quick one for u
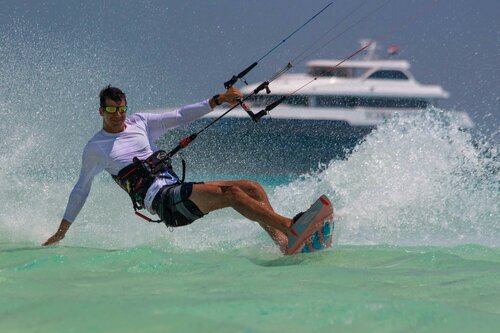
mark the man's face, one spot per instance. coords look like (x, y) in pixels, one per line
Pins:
(113, 122)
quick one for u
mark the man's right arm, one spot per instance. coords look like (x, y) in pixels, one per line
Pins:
(92, 164)
(60, 233)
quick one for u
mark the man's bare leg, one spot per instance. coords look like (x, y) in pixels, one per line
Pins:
(256, 192)
(247, 198)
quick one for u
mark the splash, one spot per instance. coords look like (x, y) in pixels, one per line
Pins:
(416, 180)
(48, 93)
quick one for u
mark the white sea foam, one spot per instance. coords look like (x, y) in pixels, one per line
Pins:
(416, 180)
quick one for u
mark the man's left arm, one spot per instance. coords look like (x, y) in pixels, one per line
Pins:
(158, 124)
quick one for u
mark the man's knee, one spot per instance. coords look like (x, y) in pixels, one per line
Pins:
(251, 187)
(232, 193)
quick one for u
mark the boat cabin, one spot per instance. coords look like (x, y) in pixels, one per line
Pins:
(365, 70)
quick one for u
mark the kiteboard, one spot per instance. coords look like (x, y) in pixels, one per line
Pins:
(313, 231)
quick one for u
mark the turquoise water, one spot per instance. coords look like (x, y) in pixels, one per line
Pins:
(416, 247)
(151, 288)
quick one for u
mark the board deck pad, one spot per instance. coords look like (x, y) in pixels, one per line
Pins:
(313, 231)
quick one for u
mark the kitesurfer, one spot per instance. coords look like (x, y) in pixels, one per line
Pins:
(125, 148)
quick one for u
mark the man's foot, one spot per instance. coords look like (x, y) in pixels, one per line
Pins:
(296, 217)
(320, 240)
(309, 223)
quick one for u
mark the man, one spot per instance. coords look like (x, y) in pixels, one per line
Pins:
(125, 148)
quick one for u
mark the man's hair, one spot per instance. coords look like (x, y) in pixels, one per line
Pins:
(112, 93)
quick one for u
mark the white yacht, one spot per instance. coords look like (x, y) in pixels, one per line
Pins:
(323, 121)
(361, 92)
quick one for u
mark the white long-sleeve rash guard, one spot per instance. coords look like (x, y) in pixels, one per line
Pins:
(114, 151)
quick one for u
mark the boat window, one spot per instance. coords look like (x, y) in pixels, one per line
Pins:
(336, 101)
(402, 103)
(264, 100)
(331, 72)
(375, 102)
(388, 75)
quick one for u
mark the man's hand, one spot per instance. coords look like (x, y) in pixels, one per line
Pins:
(231, 96)
(60, 233)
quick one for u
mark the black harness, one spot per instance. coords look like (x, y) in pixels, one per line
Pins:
(137, 177)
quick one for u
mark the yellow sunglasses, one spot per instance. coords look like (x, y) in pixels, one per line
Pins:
(113, 109)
